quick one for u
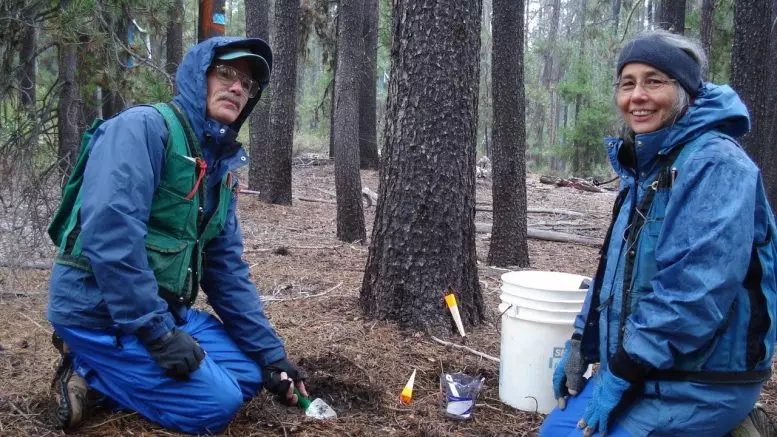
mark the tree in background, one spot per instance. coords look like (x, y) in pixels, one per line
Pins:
(672, 16)
(749, 72)
(706, 26)
(174, 39)
(508, 239)
(282, 104)
(68, 109)
(423, 239)
(258, 26)
(368, 138)
(211, 20)
(345, 132)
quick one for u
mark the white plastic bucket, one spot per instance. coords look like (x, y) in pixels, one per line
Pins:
(538, 312)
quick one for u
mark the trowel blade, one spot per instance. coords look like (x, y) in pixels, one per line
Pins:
(319, 409)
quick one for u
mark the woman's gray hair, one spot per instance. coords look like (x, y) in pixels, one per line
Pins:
(689, 46)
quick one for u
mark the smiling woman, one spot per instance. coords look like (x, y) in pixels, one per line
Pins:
(680, 313)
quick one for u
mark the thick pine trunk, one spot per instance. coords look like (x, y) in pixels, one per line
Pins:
(423, 240)
(258, 26)
(368, 139)
(350, 216)
(508, 239)
(282, 109)
(749, 71)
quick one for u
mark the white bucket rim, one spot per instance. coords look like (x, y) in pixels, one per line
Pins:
(507, 278)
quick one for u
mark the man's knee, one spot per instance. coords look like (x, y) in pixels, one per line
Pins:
(206, 412)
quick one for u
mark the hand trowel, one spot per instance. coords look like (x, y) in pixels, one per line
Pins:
(316, 409)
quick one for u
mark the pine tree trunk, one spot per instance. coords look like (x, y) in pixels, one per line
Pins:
(368, 138)
(508, 239)
(258, 26)
(174, 44)
(749, 71)
(423, 240)
(28, 68)
(770, 171)
(282, 106)
(350, 216)
(616, 14)
(68, 108)
(672, 16)
(706, 26)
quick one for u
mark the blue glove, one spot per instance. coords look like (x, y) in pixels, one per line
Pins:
(617, 389)
(568, 376)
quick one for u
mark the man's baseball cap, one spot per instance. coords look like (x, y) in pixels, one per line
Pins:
(260, 68)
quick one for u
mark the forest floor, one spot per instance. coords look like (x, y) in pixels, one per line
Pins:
(356, 364)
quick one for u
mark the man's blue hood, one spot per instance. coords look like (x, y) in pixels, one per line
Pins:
(716, 107)
(192, 85)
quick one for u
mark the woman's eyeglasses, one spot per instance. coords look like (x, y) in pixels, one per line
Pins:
(228, 75)
(627, 86)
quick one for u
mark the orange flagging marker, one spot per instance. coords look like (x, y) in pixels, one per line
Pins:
(407, 392)
(450, 299)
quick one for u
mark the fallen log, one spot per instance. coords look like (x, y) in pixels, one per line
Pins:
(540, 234)
(578, 183)
(489, 208)
(30, 265)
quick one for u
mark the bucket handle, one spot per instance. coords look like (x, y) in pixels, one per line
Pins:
(503, 308)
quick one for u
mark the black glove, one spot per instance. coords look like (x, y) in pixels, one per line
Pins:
(271, 378)
(178, 353)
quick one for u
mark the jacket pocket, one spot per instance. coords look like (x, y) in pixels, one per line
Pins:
(170, 260)
(171, 212)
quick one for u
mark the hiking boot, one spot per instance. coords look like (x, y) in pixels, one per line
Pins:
(70, 393)
(756, 424)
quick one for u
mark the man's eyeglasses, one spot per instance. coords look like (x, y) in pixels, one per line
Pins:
(627, 86)
(228, 75)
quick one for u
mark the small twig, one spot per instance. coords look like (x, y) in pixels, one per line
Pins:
(35, 323)
(282, 299)
(124, 416)
(468, 349)
(311, 199)
(328, 193)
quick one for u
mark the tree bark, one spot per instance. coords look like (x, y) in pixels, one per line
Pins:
(508, 240)
(423, 240)
(749, 71)
(350, 216)
(68, 108)
(282, 106)
(770, 155)
(706, 26)
(174, 46)
(28, 65)
(368, 138)
(258, 26)
(672, 16)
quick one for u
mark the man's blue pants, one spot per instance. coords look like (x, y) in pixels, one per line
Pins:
(121, 368)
